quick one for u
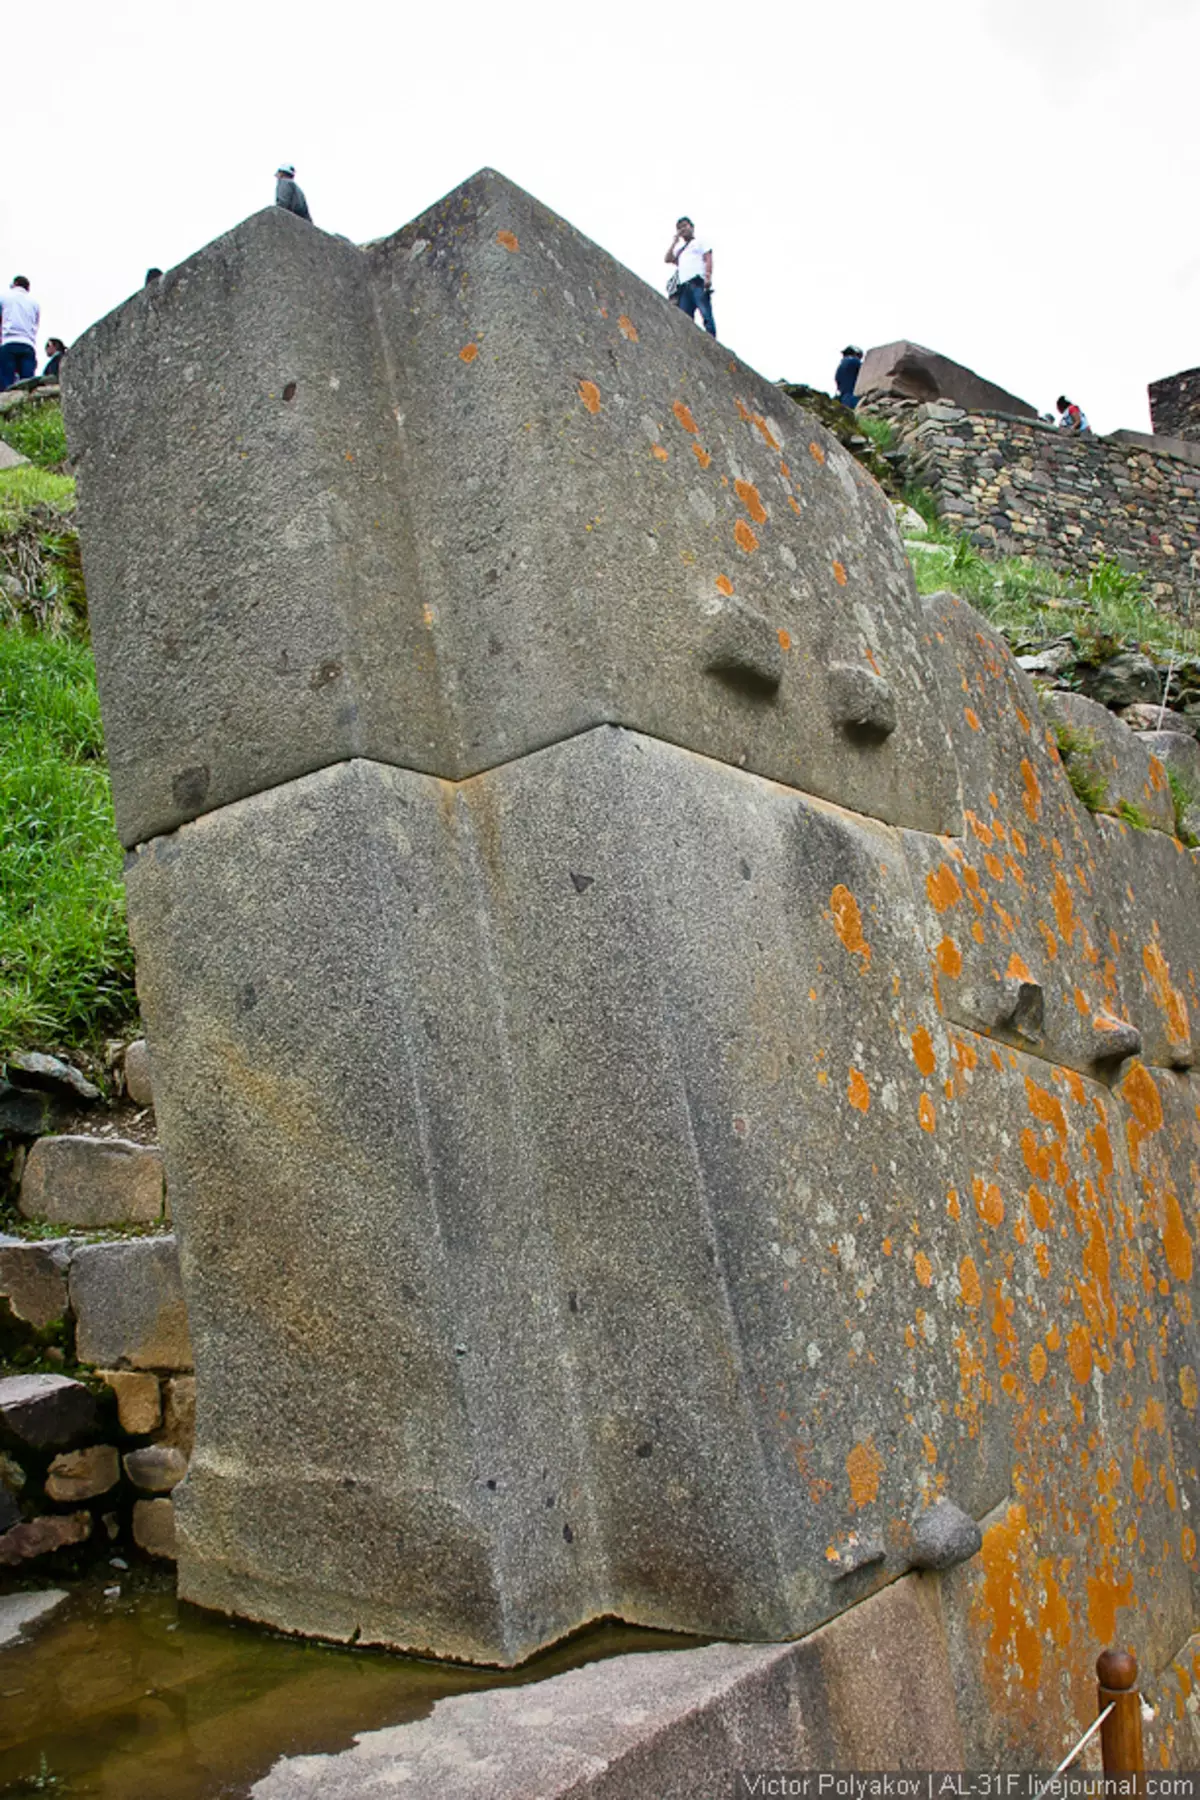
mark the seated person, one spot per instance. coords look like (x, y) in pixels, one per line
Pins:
(55, 351)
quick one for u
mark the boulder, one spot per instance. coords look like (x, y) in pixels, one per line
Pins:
(33, 1278)
(10, 458)
(19, 1611)
(27, 1113)
(32, 1069)
(944, 1535)
(1120, 762)
(129, 1306)
(1050, 660)
(137, 1073)
(1123, 679)
(139, 1399)
(916, 373)
(92, 1181)
(43, 1536)
(82, 1474)
(156, 1468)
(46, 1412)
(154, 1528)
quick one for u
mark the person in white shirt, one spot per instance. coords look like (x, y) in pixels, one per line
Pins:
(20, 316)
(693, 265)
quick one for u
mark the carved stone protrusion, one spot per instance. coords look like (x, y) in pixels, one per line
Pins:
(744, 647)
(1016, 1004)
(944, 1535)
(862, 702)
(854, 1553)
(1114, 1039)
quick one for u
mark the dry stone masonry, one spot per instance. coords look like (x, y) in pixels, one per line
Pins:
(651, 1054)
(1175, 405)
(1019, 487)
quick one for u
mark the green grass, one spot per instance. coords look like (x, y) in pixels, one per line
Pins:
(23, 490)
(41, 578)
(66, 965)
(881, 432)
(37, 432)
(1075, 748)
(1183, 800)
(1133, 815)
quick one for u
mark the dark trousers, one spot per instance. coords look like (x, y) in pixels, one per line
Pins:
(692, 297)
(18, 362)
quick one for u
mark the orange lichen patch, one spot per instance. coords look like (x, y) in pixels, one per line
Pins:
(1042, 1257)
(1039, 1362)
(747, 493)
(468, 353)
(1079, 1354)
(1140, 1477)
(1176, 1242)
(847, 922)
(1054, 1615)
(969, 1284)
(839, 573)
(589, 393)
(1031, 799)
(764, 431)
(922, 1049)
(745, 537)
(792, 502)
(926, 1114)
(1013, 1644)
(785, 638)
(1046, 1107)
(1064, 907)
(1158, 774)
(1140, 1093)
(1105, 1595)
(724, 585)
(701, 456)
(1187, 1543)
(683, 414)
(1167, 996)
(508, 239)
(785, 471)
(972, 718)
(994, 866)
(1018, 969)
(1039, 1206)
(1049, 939)
(942, 887)
(864, 1466)
(627, 328)
(657, 451)
(954, 1208)
(857, 1091)
(923, 1269)
(816, 452)
(1189, 1388)
(949, 958)
(989, 1201)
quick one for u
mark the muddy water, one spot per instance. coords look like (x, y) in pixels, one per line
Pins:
(131, 1696)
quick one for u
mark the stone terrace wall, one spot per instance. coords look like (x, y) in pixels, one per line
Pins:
(1175, 405)
(1022, 488)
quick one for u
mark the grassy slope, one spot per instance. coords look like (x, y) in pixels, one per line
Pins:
(66, 967)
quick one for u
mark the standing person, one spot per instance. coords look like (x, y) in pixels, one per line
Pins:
(1071, 417)
(20, 316)
(693, 265)
(288, 195)
(846, 378)
(55, 351)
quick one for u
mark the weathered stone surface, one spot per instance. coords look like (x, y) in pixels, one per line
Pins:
(27, 1113)
(92, 1181)
(1148, 904)
(10, 1510)
(1123, 761)
(647, 476)
(179, 1413)
(1161, 446)
(156, 1468)
(129, 1306)
(46, 1412)
(19, 1611)
(33, 1278)
(1127, 677)
(83, 1474)
(42, 1537)
(921, 374)
(944, 1535)
(870, 1691)
(154, 1527)
(1175, 405)
(139, 1399)
(30, 1068)
(137, 1073)
(10, 458)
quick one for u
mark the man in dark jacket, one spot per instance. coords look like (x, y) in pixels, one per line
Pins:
(288, 195)
(847, 376)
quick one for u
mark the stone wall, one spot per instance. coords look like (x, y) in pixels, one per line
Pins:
(1175, 405)
(1021, 488)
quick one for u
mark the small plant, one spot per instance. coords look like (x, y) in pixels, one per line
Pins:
(37, 432)
(1132, 814)
(1184, 801)
(881, 432)
(1076, 748)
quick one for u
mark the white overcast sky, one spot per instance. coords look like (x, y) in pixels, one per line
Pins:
(1012, 182)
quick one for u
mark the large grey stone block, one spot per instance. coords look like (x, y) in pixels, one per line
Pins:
(447, 595)
(129, 1305)
(871, 1691)
(921, 374)
(92, 1181)
(46, 1412)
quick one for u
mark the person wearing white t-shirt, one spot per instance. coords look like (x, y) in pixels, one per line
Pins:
(20, 316)
(693, 264)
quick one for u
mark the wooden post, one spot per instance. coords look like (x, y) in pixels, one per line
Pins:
(1121, 1732)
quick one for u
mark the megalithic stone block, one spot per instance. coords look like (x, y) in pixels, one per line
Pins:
(460, 494)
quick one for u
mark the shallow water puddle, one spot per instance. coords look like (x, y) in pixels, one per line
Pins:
(134, 1697)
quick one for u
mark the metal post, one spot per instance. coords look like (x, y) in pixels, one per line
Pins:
(1121, 1732)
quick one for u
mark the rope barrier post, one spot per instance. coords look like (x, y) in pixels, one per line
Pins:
(1121, 1732)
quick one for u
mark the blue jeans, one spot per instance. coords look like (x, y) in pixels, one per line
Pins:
(18, 362)
(692, 296)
